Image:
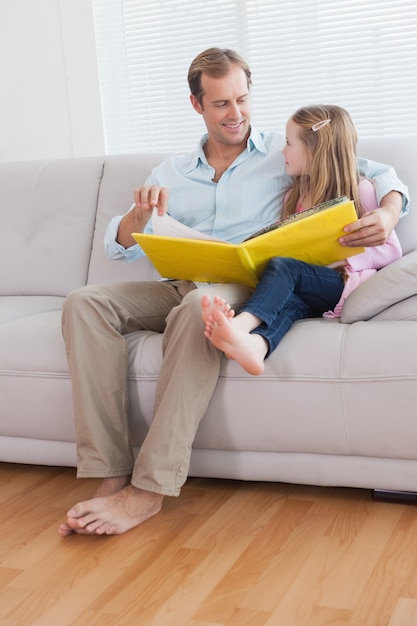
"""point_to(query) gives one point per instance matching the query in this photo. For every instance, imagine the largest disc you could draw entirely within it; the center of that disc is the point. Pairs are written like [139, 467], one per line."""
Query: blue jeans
[291, 290]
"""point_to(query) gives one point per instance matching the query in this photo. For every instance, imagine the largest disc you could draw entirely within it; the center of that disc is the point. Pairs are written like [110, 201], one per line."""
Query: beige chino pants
[95, 320]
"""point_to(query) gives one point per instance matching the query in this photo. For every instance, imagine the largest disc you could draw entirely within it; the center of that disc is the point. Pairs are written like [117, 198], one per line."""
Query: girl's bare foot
[247, 349]
[207, 309]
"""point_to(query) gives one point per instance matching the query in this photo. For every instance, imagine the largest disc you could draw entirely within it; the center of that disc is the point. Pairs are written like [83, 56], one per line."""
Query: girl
[320, 155]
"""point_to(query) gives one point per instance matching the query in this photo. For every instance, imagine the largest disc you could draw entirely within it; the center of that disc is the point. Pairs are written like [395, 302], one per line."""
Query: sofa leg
[390, 495]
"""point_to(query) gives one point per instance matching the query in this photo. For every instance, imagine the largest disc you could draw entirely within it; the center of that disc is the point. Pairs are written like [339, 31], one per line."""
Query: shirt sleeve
[374, 257]
[113, 249]
[385, 180]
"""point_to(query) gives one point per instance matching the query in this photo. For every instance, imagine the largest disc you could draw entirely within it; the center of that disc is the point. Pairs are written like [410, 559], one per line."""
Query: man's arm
[118, 241]
[146, 198]
[374, 228]
[385, 180]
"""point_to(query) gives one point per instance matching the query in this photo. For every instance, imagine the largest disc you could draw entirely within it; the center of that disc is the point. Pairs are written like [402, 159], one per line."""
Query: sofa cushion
[405, 310]
[122, 174]
[388, 287]
[35, 387]
[15, 307]
[47, 213]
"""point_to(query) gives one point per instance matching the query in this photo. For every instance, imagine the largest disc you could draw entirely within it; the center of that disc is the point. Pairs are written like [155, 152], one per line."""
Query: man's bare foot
[247, 349]
[207, 309]
[113, 514]
[108, 487]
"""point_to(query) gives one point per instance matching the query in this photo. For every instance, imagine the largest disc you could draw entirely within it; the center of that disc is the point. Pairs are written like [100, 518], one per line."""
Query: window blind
[362, 56]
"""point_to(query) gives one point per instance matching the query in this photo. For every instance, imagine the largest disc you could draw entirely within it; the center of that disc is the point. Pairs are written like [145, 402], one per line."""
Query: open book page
[170, 227]
[299, 215]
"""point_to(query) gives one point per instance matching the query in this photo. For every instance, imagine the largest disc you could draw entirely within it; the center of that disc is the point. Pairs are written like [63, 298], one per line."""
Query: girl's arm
[376, 256]
[375, 227]
[385, 180]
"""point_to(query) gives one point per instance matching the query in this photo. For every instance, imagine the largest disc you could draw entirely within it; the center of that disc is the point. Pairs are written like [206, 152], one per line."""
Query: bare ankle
[111, 485]
[246, 321]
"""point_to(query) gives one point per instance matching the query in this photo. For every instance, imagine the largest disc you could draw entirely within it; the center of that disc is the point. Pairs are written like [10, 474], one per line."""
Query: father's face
[225, 106]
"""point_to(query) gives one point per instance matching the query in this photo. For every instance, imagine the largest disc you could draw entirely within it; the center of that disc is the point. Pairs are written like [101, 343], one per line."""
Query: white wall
[50, 99]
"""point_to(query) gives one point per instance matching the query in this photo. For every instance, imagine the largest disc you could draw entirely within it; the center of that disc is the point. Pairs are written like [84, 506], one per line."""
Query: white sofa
[337, 404]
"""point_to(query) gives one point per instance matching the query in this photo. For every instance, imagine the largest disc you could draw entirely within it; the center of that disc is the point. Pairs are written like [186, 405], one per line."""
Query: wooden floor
[224, 553]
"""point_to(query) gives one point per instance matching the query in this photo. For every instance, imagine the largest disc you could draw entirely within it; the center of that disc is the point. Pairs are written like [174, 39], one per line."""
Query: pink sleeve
[374, 257]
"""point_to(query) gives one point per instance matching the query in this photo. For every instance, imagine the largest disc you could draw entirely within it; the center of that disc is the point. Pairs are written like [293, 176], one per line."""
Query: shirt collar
[255, 142]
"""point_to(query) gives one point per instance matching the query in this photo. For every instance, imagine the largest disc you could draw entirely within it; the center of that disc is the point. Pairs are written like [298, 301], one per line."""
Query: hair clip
[319, 125]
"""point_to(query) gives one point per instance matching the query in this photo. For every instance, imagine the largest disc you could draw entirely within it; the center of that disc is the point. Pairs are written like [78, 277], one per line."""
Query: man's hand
[374, 228]
[146, 198]
[149, 196]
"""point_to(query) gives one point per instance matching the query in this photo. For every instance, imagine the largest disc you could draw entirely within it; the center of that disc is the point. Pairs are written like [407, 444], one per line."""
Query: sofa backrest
[47, 217]
[401, 153]
[121, 176]
[53, 215]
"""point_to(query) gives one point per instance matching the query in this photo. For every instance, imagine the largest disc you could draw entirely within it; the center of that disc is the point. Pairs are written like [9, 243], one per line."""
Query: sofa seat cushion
[316, 396]
[35, 385]
[16, 307]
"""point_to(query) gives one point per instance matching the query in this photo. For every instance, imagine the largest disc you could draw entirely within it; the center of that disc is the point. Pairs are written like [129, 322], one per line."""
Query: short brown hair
[214, 62]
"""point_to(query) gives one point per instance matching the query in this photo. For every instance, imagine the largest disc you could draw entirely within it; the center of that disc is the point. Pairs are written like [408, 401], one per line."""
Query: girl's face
[294, 151]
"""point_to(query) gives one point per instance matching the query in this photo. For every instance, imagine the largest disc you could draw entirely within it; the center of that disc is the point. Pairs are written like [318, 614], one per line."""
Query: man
[231, 185]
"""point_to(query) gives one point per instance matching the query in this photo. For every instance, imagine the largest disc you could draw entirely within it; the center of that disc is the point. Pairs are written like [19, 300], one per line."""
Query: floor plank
[225, 553]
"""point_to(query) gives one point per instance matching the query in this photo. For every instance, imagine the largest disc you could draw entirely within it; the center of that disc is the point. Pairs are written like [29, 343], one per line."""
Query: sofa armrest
[389, 286]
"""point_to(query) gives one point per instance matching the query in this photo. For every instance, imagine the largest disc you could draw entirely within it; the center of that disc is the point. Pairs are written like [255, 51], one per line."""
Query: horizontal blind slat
[362, 56]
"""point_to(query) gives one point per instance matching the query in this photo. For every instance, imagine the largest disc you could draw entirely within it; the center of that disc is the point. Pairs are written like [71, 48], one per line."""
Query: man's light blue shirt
[247, 197]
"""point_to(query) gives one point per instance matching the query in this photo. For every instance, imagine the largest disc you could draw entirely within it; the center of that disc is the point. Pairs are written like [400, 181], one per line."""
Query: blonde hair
[329, 137]
[216, 63]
